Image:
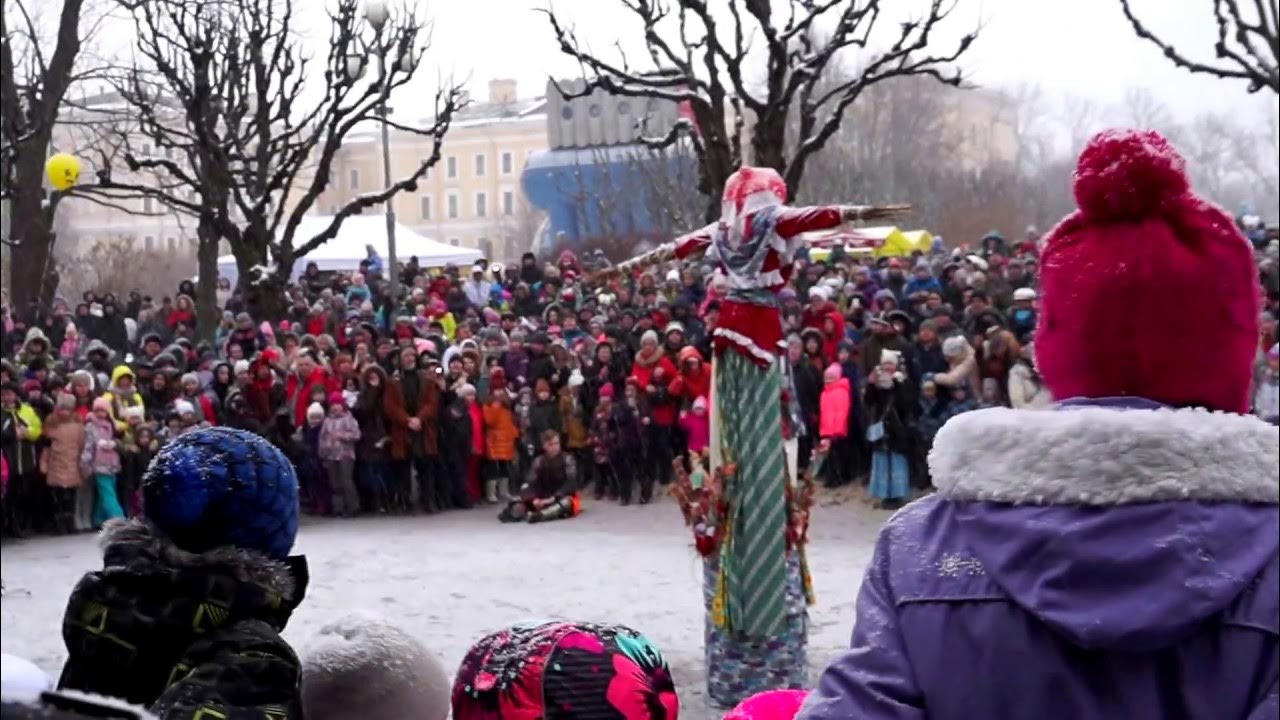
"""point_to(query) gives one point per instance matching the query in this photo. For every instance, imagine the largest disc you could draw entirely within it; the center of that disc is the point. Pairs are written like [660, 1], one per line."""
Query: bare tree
[118, 265]
[242, 143]
[1029, 111]
[33, 85]
[700, 57]
[1247, 48]
[1081, 117]
[1140, 109]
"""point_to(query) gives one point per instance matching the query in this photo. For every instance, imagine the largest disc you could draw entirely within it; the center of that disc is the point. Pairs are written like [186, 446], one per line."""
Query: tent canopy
[347, 249]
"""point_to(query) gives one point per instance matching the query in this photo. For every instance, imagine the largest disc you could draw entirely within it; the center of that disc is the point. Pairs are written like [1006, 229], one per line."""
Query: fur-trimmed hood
[1120, 528]
[1088, 455]
[135, 544]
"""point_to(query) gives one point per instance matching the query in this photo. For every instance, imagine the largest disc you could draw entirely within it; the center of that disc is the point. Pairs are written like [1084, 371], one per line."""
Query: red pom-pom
[1128, 175]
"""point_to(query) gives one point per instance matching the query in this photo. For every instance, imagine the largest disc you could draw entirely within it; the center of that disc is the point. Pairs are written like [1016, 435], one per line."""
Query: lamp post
[376, 12]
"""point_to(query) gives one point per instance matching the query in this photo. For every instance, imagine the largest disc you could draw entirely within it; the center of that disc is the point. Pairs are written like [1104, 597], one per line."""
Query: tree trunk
[263, 292]
[207, 310]
[35, 278]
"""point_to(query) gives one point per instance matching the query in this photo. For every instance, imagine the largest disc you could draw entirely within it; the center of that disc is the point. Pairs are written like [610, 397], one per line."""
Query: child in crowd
[500, 440]
[604, 441]
[889, 408]
[135, 459]
[991, 395]
[198, 592]
[338, 437]
[475, 456]
[696, 425]
[1266, 393]
[632, 436]
[100, 460]
[65, 432]
[576, 426]
[312, 476]
[523, 418]
[545, 413]
[961, 402]
[833, 424]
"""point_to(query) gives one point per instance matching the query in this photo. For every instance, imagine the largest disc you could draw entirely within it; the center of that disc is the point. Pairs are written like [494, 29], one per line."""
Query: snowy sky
[1079, 47]
[1083, 47]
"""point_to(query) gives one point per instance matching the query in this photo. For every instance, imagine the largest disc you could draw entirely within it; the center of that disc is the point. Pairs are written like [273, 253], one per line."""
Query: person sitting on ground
[551, 490]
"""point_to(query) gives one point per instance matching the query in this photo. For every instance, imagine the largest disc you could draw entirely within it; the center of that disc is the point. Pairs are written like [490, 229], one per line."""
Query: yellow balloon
[63, 170]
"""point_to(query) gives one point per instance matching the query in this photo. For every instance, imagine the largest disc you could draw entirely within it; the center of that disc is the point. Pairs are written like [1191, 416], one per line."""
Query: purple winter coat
[515, 363]
[1090, 562]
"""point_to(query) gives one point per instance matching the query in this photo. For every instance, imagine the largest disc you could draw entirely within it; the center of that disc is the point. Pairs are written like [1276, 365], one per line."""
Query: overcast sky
[1080, 47]
[1084, 47]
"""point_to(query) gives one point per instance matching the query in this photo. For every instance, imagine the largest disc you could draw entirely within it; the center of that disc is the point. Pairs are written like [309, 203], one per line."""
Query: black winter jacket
[185, 635]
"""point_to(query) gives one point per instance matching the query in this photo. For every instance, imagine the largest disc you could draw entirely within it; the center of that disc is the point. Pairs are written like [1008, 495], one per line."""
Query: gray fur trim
[1106, 456]
[244, 565]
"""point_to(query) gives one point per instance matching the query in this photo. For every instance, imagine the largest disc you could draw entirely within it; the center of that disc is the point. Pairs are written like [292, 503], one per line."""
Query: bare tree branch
[700, 59]
[242, 144]
[1246, 49]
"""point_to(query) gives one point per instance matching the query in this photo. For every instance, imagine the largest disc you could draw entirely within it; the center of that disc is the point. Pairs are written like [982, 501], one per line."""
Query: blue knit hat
[218, 486]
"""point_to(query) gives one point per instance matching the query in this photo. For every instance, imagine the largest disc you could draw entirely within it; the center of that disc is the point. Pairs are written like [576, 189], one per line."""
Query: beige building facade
[87, 129]
[472, 196]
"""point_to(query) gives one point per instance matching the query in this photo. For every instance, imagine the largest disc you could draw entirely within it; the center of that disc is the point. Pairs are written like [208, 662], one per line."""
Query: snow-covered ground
[448, 580]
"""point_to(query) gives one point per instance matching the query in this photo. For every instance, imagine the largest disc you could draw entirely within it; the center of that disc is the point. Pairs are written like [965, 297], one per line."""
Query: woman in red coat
[653, 372]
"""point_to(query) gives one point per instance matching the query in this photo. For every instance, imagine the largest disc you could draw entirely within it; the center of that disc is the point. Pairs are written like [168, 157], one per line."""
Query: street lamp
[376, 12]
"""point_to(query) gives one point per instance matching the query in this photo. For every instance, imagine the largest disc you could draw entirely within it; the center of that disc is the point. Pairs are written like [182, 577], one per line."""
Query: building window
[453, 207]
[479, 165]
[508, 163]
[173, 244]
[425, 207]
[482, 202]
[455, 242]
[353, 179]
[451, 167]
[508, 203]
[150, 243]
[147, 204]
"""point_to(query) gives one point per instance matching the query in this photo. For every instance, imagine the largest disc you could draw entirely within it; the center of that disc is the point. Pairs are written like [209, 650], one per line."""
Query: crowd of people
[524, 385]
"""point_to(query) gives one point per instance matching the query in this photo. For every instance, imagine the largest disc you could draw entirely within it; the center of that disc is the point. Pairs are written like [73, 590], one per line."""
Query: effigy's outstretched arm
[795, 221]
[791, 223]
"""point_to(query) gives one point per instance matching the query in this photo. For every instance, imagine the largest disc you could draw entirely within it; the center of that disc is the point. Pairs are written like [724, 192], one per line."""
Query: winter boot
[491, 492]
[504, 490]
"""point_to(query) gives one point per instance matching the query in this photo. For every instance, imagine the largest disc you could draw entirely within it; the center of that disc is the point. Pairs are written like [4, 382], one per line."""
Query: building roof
[483, 113]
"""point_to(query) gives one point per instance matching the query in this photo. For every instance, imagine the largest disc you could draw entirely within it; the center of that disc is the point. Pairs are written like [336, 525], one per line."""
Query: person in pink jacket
[833, 423]
[696, 424]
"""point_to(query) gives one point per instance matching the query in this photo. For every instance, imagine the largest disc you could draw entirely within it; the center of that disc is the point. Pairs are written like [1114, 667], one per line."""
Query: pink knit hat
[1147, 290]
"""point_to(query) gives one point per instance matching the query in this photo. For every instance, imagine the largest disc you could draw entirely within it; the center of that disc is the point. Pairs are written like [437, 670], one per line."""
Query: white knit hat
[954, 346]
[315, 409]
[359, 666]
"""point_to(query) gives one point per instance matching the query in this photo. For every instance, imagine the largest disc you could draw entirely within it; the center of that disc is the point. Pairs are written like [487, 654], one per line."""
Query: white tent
[345, 251]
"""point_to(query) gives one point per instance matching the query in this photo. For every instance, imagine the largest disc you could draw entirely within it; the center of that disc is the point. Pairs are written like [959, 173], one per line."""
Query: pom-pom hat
[1147, 290]
[217, 487]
